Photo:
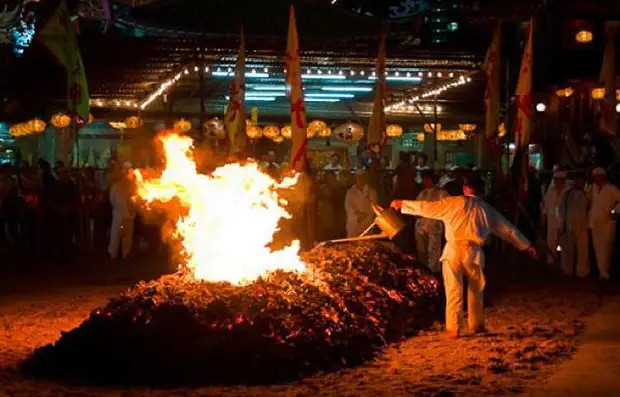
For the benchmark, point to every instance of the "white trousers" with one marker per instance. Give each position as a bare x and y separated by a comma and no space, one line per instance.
553,239
429,250
603,239
453,272
122,229
575,249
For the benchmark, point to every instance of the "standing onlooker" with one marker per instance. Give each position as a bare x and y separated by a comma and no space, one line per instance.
605,200
6,188
123,214
358,205
64,204
551,213
404,178
334,164
428,232
573,211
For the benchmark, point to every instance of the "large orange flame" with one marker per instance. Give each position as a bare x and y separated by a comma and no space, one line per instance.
229,217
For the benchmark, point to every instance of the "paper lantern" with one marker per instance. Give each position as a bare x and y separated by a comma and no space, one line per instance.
318,128
214,129
565,93
430,128
286,131
598,93
420,137
271,131
255,132
278,139
467,127
133,122
117,125
350,132
584,36
20,129
394,130
182,126
37,126
61,120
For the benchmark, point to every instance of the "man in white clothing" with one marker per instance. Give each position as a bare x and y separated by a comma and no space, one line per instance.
603,213
468,221
428,232
551,212
573,211
358,205
123,214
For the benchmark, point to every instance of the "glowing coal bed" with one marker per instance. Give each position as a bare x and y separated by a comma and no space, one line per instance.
238,310
175,331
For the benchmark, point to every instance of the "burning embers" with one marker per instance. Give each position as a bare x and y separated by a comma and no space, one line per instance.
224,221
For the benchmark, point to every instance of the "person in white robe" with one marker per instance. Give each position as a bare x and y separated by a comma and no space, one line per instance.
123,214
468,222
551,213
358,205
602,220
573,212
428,232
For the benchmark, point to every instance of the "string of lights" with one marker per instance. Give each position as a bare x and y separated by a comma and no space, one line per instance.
407,105
262,72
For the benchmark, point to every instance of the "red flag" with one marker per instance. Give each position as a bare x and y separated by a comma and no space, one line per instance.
608,79
493,70
235,112
376,126
523,120
299,135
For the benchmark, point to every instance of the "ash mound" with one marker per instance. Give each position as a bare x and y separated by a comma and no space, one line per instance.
175,331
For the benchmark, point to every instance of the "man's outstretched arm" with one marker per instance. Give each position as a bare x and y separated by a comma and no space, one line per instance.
502,228
426,209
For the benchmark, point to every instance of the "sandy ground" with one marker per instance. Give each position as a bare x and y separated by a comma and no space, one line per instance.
533,329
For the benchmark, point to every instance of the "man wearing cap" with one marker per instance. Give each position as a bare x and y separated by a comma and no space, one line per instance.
468,221
605,206
573,212
551,212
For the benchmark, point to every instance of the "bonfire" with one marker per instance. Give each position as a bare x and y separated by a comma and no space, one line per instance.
237,310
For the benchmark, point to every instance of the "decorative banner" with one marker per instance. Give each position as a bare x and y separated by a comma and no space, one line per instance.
523,121
235,112
493,70
60,37
295,91
376,126
608,79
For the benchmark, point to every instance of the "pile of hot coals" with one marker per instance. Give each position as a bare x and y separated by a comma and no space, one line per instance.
177,331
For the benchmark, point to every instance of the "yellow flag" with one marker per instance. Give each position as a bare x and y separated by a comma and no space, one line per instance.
493,70
299,136
60,37
523,121
235,112
376,126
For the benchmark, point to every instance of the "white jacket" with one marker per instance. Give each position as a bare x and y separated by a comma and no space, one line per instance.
550,207
573,210
469,222
358,205
603,201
